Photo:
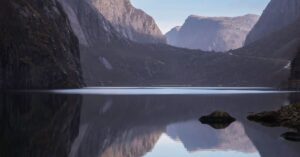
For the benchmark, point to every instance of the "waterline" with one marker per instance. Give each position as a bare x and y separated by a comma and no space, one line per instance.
164,91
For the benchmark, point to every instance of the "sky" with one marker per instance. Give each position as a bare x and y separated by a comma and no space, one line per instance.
171,13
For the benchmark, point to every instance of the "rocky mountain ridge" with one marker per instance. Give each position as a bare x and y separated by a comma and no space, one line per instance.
282,44
212,33
132,23
277,15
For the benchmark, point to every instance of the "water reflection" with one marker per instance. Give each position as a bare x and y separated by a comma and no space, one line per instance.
38,125
197,137
168,147
135,126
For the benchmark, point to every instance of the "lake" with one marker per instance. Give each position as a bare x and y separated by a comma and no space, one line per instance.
141,122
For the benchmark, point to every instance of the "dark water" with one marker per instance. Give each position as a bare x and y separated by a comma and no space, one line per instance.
109,123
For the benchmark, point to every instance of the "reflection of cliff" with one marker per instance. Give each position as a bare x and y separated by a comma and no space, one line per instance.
115,140
132,143
129,126
38,125
109,130
196,137
268,141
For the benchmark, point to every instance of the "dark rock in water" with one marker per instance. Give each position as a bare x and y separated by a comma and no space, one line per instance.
217,120
37,45
287,116
218,117
266,118
291,136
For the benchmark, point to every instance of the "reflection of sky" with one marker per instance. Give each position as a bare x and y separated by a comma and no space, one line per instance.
166,147
191,139
197,137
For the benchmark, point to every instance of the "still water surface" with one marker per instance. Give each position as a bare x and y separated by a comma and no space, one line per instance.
141,122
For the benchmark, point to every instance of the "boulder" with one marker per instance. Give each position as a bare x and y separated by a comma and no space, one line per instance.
217,120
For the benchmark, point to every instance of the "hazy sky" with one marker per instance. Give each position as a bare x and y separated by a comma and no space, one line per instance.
170,13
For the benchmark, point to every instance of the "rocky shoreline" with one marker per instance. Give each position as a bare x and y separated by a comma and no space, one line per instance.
287,116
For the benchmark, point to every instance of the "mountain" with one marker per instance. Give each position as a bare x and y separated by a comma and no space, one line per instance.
89,25
37,45
278,14
281,44
212,33
110,20
110,59
173,35
278,46
132,23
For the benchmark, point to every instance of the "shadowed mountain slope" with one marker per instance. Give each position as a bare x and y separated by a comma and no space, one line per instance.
277,15
37,45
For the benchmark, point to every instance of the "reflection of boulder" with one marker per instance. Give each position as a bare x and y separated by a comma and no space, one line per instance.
287,116
197,137
268,142
38,125
291,136
114,124
266,118
217,120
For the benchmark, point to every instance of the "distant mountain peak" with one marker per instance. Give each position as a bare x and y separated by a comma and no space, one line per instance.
212,33
129,21
199,17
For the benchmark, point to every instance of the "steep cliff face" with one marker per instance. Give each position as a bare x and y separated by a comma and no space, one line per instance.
294,81
37,45
132,23
94,30
212,33
282,44
278,14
